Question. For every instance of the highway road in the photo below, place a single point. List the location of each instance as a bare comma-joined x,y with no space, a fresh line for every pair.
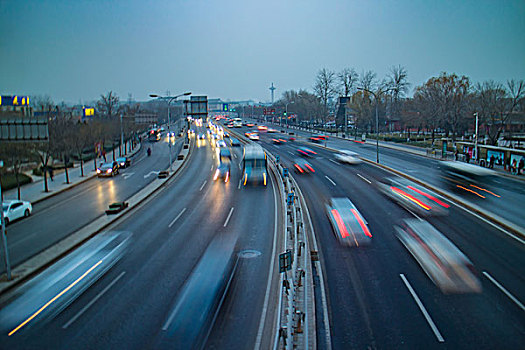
59,216
379,297
503,196
130,306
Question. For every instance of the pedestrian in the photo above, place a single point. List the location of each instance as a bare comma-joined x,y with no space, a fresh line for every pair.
507,164
521,165
104,155
491,162
514,167
50,172
467,157
456,154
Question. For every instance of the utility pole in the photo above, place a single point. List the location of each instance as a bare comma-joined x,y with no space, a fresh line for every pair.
476,142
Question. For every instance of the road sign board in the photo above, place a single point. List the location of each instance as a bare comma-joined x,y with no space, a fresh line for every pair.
285,261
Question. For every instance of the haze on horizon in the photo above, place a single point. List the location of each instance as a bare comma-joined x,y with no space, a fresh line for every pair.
74,51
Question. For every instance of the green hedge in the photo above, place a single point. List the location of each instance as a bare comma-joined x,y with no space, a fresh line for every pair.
9,181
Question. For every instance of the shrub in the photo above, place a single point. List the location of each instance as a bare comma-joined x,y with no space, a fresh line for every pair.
9,180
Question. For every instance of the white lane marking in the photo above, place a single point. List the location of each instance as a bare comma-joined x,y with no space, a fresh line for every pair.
203,184
293,154
235,155
507,293
177,218
239,187
211,169
228,218
94,300
127,175
423,310
411,212
364,178
333,161
270,275
329,179
151,173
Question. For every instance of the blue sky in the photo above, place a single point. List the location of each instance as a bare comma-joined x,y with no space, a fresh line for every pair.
233,49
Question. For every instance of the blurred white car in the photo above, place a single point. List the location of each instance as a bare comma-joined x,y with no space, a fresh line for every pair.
349,157
221,143
441,260
15,209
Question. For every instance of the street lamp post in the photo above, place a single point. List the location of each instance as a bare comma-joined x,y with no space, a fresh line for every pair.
169,99
377,119
286,112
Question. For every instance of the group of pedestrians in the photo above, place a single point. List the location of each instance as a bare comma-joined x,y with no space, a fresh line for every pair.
515,167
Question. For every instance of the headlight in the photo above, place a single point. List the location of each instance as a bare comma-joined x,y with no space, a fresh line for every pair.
109,170
98,171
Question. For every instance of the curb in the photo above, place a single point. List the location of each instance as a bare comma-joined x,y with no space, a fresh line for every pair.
46,258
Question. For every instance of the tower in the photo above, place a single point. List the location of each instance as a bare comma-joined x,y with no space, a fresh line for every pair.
272,88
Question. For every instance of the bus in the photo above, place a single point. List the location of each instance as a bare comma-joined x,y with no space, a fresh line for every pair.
237,122
254,165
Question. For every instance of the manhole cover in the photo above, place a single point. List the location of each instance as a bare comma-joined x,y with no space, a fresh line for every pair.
248,254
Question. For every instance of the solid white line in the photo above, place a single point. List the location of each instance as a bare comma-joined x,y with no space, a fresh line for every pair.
516,301
228,218
293,154
364,178
423,310
203,184
211,169
258,340
177,218
81,312
239,187
329,179
333,161
235,155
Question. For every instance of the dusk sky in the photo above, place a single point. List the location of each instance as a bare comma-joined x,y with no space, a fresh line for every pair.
74,51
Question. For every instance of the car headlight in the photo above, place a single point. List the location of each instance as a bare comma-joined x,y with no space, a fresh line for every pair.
109,170
98,171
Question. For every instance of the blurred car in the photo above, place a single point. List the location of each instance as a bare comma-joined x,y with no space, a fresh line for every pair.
234,142
305,152
315,139
222,171
221,143
15,209
108,169
191,132
270,130
262,128
123,162
291,139
349,157
226,135
441,260
201,137
250,125
230,125
412,196
301,166
323,137
278,141
349,226
252,136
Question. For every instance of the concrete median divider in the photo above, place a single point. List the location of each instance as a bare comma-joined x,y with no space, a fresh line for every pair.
33,266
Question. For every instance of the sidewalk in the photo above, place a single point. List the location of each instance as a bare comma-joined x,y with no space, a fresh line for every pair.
34,191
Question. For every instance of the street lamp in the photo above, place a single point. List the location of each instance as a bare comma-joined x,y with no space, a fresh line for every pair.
286,112
377,119
169,99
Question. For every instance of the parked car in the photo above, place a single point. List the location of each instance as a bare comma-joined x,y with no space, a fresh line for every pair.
108,169
15,209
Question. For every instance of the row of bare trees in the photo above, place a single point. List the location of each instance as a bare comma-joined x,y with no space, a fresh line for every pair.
446,103
70,136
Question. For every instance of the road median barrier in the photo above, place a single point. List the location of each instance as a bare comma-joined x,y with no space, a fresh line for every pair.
163,174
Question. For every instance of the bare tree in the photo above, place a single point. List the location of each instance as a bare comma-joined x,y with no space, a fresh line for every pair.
398,87
108,105
348,79
368,80
325,86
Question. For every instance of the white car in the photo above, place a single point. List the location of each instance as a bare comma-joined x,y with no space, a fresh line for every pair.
221,143
349,157
15,209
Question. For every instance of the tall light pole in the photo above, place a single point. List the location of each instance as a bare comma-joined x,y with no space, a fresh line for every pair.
377,118
286,112
121,136
169,99
476,142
